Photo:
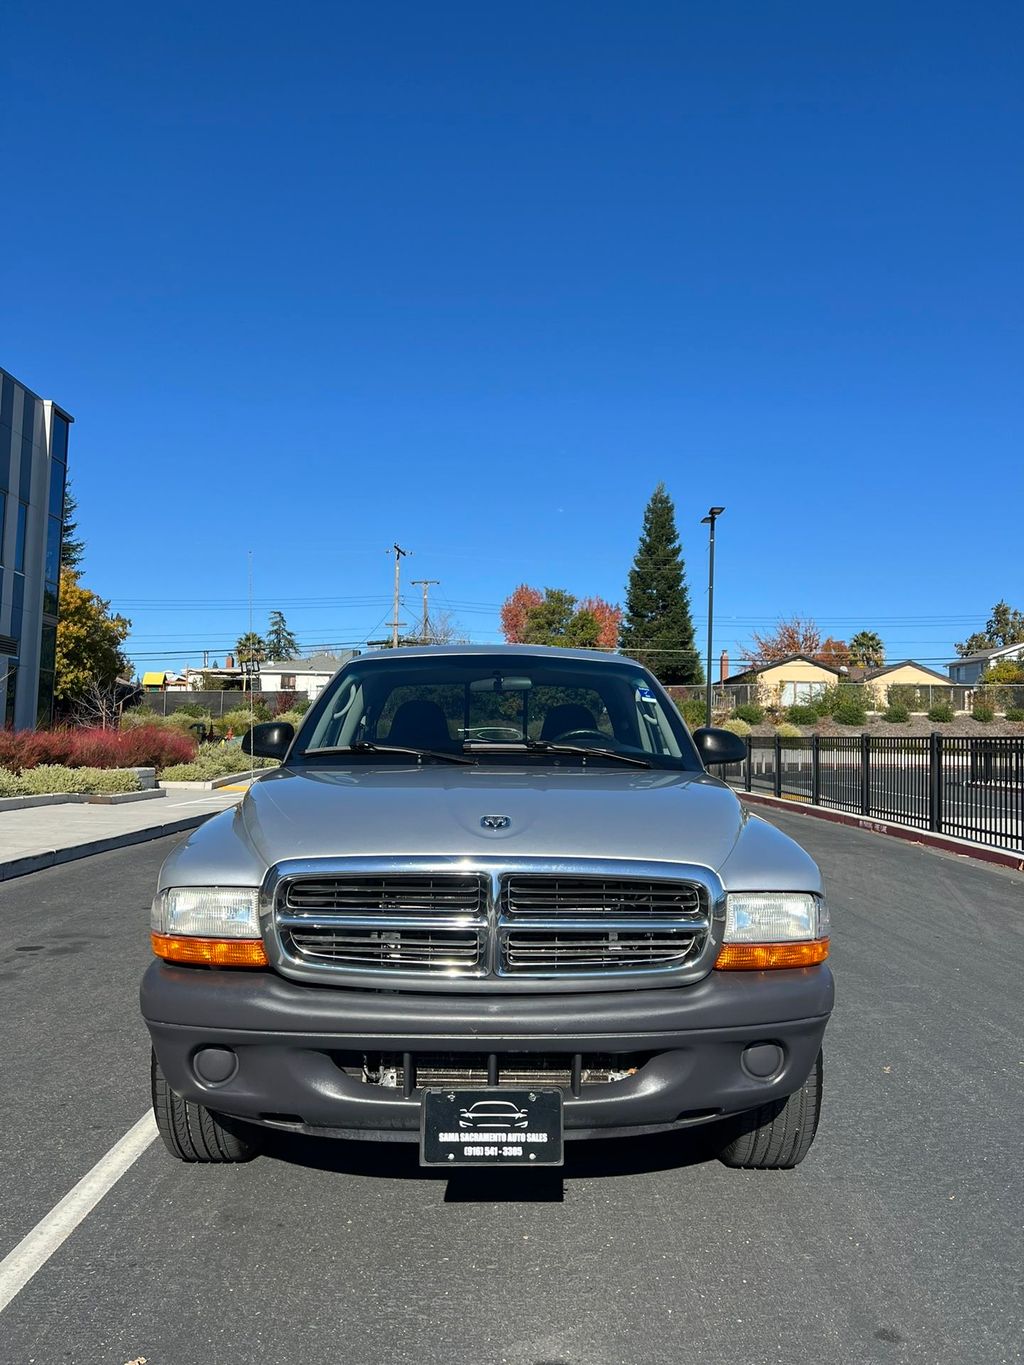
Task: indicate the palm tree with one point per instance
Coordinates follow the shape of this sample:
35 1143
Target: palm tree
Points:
251 648
867 649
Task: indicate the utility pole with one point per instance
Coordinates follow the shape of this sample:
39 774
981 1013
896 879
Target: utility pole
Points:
709 521
426 584
399 554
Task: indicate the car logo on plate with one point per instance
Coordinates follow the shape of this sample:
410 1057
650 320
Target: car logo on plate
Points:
495 821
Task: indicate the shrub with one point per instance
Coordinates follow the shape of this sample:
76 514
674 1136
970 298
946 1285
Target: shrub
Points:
11 784
1015 713
141 746
897 713
290 718
750 712
850 711
787 731
215 760
694 712
737 726
49 779
239 720
802 715
983 711
194 709
301 705
941 711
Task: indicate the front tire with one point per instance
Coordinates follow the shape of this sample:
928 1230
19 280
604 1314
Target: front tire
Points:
777 1136
191 1132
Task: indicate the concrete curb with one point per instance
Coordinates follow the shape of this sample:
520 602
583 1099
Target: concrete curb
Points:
36 862
945 843
78 799
214 783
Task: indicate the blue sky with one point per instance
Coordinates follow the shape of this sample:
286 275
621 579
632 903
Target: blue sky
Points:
476 277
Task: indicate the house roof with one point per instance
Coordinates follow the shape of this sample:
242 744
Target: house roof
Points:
153 679
869 674
755 669
316 663
987 654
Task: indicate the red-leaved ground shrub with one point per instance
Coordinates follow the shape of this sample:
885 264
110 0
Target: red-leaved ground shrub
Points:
148 746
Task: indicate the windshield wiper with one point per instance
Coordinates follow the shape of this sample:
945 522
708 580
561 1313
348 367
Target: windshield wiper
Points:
546 746
366 746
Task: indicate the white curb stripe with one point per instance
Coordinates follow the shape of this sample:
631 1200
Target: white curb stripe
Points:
55 1227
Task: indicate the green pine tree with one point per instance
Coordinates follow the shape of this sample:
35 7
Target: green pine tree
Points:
72 550
281 643
657 628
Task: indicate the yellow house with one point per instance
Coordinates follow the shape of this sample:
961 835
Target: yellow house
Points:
904 674
792 681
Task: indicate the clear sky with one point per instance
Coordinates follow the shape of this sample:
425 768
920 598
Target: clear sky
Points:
313 278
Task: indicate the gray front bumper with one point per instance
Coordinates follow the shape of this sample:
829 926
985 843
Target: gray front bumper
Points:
288 1038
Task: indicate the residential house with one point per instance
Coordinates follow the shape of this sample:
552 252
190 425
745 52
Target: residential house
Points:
907 673
797 679
302 675
968 670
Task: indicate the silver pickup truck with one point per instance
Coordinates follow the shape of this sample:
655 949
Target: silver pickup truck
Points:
491 900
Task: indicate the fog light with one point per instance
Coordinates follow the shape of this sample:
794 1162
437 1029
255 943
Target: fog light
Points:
762 1060
215 1065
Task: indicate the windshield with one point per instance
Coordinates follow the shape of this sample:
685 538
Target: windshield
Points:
493 708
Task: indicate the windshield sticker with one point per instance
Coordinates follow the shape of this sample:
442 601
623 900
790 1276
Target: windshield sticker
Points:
645 694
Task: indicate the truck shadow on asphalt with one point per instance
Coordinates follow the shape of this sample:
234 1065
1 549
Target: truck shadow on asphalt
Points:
592 1159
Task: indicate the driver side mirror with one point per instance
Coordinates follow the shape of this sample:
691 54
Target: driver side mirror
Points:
269 740
719 746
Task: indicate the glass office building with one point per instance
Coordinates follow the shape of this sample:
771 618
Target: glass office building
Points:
33 469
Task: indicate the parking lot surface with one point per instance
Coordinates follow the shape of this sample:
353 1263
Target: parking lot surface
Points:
899 1239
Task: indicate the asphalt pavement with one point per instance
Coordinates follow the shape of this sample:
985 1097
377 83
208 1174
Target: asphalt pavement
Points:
898 1240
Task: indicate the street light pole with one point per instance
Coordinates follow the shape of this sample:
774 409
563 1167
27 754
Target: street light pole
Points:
709 521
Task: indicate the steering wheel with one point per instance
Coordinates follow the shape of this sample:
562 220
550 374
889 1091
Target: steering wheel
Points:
574 737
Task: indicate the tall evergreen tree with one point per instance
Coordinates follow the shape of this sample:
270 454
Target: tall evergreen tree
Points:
281 643
657 628
72 550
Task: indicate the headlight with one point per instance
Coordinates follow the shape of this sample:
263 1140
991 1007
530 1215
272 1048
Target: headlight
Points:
207 912
774 917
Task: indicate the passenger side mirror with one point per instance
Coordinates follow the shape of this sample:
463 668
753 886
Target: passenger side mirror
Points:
270 740
719 746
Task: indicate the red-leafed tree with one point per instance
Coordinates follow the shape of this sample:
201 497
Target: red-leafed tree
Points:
515 609
790 637
834 652
609 618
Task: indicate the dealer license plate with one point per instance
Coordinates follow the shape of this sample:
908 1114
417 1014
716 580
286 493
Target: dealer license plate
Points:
495 1127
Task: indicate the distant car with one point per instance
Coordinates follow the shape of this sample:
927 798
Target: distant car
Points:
493 1114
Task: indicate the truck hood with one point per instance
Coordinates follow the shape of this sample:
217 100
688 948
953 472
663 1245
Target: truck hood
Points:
434 811
437 811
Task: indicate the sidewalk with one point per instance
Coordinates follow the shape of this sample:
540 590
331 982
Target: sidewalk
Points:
40 837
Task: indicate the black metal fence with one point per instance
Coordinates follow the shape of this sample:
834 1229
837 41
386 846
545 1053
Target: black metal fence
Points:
972 788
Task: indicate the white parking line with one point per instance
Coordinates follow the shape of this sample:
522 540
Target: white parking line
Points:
55 1227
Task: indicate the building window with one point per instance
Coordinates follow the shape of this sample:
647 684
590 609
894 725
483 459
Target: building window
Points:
44 707
794 693
19 542
12 692
287 682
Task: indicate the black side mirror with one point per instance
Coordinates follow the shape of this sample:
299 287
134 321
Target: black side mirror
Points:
270 740
719 746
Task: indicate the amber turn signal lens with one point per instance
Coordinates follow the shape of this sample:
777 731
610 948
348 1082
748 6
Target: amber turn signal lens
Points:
210 952
757 957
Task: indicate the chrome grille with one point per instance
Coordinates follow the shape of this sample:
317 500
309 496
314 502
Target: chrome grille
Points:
596 950
593 925
514 928
539 895
423 924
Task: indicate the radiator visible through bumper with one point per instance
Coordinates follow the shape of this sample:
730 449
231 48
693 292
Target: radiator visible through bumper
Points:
349 1062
